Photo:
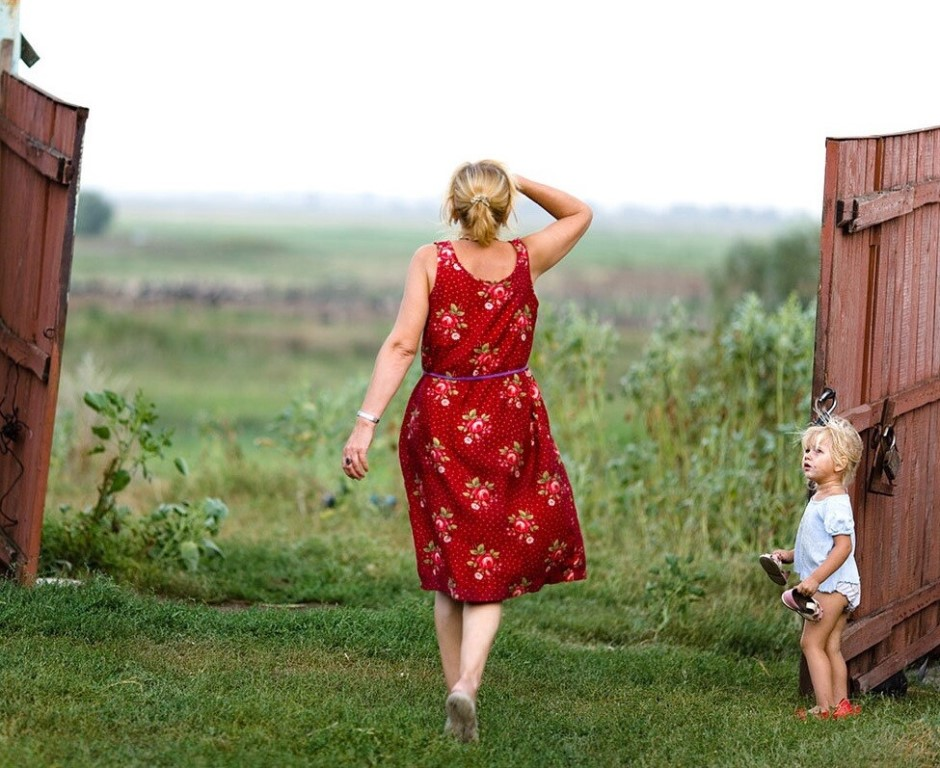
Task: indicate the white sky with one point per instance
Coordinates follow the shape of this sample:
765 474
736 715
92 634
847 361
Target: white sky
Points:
664 102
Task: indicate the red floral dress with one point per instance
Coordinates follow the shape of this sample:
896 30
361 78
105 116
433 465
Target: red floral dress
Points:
491 507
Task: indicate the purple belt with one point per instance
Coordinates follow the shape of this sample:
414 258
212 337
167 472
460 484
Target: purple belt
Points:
499 375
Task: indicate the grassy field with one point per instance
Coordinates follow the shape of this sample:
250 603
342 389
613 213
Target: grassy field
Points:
309 643
225 318
99 676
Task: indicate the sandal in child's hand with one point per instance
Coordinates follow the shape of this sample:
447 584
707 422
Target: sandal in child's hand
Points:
805 606
808 587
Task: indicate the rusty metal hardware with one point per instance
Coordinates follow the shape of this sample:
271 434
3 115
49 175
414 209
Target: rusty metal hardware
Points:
887 464
892 459
825 406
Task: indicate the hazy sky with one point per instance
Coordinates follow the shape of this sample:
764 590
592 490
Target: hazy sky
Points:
651 103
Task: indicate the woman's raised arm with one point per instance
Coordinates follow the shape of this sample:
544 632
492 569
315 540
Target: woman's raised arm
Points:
572 216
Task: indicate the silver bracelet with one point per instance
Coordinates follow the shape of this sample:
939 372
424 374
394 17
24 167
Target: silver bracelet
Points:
368 416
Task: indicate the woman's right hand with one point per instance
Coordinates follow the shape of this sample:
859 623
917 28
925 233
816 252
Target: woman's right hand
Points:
355 452
572 217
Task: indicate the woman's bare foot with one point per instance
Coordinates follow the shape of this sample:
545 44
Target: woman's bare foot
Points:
461 717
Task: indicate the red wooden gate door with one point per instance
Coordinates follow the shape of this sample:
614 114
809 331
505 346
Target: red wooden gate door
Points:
40 148
878 347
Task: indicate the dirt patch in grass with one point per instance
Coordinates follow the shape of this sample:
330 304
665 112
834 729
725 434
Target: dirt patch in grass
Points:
247 605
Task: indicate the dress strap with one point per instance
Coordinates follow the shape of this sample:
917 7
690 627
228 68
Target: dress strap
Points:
521 251
445 250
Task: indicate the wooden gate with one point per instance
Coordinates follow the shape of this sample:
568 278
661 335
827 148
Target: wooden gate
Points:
40 148
878 348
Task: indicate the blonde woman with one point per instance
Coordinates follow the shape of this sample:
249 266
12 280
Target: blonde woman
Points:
491 508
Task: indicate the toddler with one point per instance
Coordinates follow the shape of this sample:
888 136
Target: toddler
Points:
824 559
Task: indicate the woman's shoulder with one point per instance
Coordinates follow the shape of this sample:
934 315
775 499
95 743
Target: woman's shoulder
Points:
426 258
430 251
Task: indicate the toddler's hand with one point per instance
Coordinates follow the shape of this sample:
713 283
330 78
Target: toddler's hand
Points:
808 587
783 555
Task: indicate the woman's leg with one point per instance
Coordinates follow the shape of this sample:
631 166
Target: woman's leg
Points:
465 634
815 643
480 624
448 621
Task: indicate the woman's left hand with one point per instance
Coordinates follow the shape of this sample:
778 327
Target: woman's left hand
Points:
355 453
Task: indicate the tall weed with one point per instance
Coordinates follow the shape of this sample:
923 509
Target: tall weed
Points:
570 358
714 465
310 432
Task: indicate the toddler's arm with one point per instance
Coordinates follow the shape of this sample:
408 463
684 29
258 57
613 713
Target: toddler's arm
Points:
841 549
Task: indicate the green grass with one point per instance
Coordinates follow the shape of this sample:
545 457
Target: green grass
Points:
99 676
291 251
310 642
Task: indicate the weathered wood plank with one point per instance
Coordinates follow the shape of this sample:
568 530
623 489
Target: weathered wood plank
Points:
37 212
858 213
24 353
897 661
863 633
878 346
47 160
868 415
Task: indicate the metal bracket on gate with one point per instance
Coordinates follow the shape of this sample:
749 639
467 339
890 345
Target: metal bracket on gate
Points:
887 463
825 405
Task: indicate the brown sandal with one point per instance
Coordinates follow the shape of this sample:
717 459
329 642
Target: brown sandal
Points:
772 565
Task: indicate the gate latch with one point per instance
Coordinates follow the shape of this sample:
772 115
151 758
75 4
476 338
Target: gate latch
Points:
887 464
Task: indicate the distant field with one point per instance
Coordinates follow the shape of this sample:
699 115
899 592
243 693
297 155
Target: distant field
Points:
227 315
288 250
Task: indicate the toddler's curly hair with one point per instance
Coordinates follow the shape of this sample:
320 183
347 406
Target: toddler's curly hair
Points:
845 442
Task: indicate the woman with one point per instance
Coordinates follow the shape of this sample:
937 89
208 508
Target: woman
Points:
491 507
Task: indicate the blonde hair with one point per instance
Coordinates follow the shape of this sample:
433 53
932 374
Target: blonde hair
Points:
844 441
480 198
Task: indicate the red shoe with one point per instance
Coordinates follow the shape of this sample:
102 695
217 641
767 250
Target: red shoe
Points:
846 709
816 713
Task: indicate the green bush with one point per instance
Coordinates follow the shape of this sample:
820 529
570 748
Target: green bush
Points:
787 265
691 458
94 214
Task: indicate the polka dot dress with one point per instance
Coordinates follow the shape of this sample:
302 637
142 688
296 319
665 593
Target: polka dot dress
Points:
491 507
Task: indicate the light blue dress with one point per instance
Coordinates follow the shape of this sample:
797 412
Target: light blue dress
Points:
821 521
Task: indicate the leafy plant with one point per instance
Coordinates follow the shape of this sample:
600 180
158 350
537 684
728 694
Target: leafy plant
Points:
180 532
312 428
130 436
107 535
570 357
710 466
